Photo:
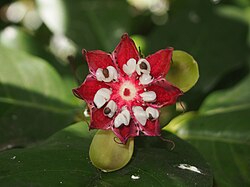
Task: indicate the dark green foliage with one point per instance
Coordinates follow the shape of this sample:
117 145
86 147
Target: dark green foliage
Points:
36 99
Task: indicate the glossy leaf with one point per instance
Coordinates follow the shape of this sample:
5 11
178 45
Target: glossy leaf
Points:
237 98
167 113
184 71
217 43
16 37
32 98
220 131
90 24
63 160
108 155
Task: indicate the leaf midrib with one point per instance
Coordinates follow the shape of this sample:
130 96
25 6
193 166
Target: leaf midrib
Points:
42 171
40 106
226 109
214 139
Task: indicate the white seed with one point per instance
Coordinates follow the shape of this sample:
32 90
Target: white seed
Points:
148 96
140 115
129 68
119 120
126 113
101 97
122 118
145 79
138 68
105 92
152 112
112 74
99 74
113 107
99 101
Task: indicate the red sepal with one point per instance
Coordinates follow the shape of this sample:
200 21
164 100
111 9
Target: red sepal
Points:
125 132
160 62
97 59
151 128
88 89
166 93
99 120
125 50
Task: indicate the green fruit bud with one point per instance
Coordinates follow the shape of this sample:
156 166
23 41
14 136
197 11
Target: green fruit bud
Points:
107 154
184 71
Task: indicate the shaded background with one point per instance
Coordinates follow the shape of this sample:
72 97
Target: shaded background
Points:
36 76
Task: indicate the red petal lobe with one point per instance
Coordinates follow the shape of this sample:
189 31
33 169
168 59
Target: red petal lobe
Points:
98 59
125 132
99 120
166 94
151 128
125 50
89 88
160 62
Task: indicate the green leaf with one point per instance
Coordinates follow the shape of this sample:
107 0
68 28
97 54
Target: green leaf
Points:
167 114
220 131
33 99
63 159
184 72
90 24
237 98
217 42
108 155
140 42
14 37
17 38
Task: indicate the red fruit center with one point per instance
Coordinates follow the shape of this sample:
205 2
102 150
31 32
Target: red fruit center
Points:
126 92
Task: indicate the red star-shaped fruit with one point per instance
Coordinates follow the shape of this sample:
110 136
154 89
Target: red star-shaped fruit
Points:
124 91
